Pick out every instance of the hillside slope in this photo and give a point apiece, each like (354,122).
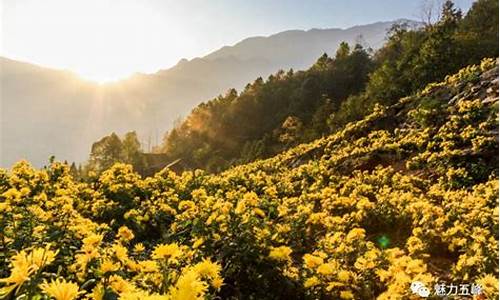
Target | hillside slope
(290,108)
(409,193)
(50,112)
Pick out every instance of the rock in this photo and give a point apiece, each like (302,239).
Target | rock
(468,95)
(481,94)
(460,86)
(446,96)
(454,99)
(489,100)
(488,75)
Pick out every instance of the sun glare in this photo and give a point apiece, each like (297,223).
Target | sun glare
(96,39)
(103,78)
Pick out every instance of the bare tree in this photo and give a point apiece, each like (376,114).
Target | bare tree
(430,11)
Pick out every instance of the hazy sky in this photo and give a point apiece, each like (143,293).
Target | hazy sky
(106,40)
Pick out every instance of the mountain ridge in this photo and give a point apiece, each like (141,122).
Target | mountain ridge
(35,107)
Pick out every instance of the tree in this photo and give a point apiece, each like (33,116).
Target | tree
(429,11)
(319,123)
(234,125)
(132,153)
(291,131)
(247,126)
(478,31)
(322,63)
(349,72)
(343,51)
(105,153)
(413,58)
(439,54)
(73,170)
(450,14)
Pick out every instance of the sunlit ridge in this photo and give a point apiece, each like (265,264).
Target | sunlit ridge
(103,79)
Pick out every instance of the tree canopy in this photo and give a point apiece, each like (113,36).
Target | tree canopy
(339,88)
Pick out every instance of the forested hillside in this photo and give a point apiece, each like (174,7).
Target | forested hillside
(289,108)
(408,193)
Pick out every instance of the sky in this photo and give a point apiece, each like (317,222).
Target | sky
(106,40)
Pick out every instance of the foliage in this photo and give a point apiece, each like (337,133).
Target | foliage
(238,128)
(359,214)
(411,59)
(111,149)
(242,127)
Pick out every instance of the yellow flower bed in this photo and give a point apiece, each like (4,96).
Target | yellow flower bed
(377,209)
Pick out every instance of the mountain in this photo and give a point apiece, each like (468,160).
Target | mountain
(48,112)
(299,49)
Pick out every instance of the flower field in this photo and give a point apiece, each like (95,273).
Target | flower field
(409,193)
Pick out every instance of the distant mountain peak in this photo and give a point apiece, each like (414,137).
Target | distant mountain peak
(309,43)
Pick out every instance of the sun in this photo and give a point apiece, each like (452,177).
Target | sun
(102,78)
(98,40)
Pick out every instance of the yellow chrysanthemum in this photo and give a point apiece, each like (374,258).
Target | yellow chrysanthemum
(139,248)
(41,257)
(326,269)
(60,289)
(142,295)
(312,281)
(120,252)
(19,274)
(120,285)
(281,253)
(148,266)
(125,233)
(346,295)
(343,276)
(97,292)
(206,268)
(171,252)
(23,264)
(188,287)
(198,242)
(108,266)
(312,261)
(93,240)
